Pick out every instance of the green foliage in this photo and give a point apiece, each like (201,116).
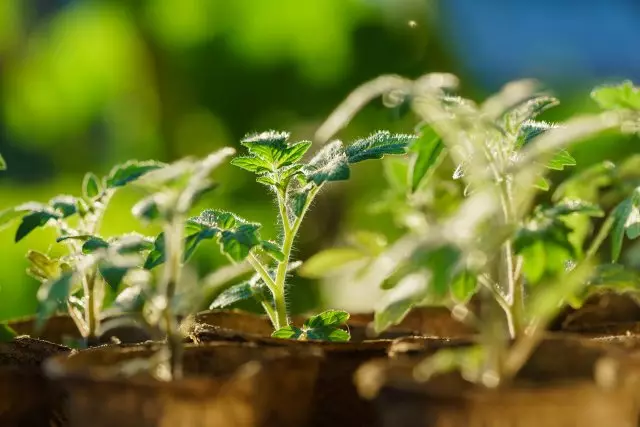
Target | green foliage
(428,152)
(3,163)
(321,327)
(128,172)
(622,96)
(91,186)
(626,222)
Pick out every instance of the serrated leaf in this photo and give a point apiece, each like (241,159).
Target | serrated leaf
(288,172)
(252,164)
(91,186)
(528,110)
(294,153)
(329,261)
(288,332)
(329,164)
(238,243)
(561,159)
(464,286)
(267,180)
(428,149)
(34,220)
(267,145)
(127,172)
(94,243)
(6,332)
(272,249)
(622,96)
(328,318)
(233,294)
(51,295)
(377,145)
(530,130)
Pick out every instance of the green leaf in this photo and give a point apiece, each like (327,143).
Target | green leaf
(91,186)
(267,180)
(524,112)
(252,164)
(272,249)
(396,303)
(542,184)
(442,261)
(299,201)
(233,294)
(531,130)
(6,332)
(93,244)
(464,286)
(396,172)
(620,215)
(112,274)
(377,145)
(561,159)
(146,209)
(42,267)
(327,334)
(428,149)
(157,254)
(294,153)
(238,243)
(127,172)
(34,220)
(267,145)
(622,96)
(51,295)
(573,206)
(3,163)
(328,318)
(132,243)
(329,164)
(288,332)
(329,261)
(65,205)
(288,172)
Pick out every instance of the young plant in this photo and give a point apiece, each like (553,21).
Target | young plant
(493,243)
(294,184)
(174,189)
(77,279)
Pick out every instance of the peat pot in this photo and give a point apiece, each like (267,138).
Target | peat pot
(566,383)
(336,401)
(224,384)
(26,398)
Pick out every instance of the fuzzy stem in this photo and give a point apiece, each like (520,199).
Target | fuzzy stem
(289,235)
(276,320)
(173,232)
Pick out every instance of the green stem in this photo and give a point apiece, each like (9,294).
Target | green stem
(173,232)
(276,320)
(600,237)
(289,235)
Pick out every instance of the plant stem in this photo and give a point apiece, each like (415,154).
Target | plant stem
(173,234)
(91,312)
(600,237)
(289,235)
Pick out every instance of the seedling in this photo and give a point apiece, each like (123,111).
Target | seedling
(77,279)
(494,243)
(174,189)
(294,184)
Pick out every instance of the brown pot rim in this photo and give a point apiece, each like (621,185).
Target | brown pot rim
(60,368)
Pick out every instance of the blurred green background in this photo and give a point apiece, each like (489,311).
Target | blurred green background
(87,84)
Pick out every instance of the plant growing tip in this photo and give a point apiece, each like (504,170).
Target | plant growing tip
(294,183)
